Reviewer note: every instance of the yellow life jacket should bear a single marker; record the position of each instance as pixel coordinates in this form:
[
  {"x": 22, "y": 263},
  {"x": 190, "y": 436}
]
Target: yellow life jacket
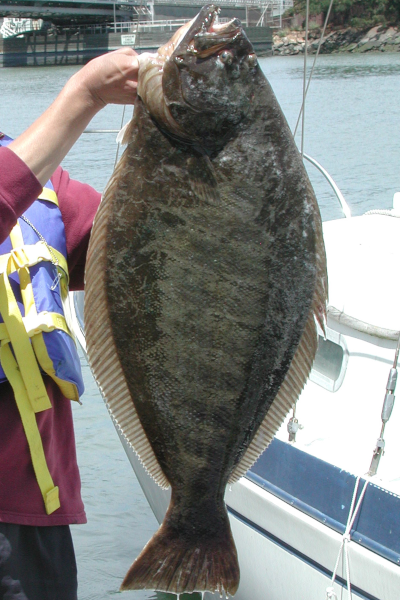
[{"x": 34, "y": 331}]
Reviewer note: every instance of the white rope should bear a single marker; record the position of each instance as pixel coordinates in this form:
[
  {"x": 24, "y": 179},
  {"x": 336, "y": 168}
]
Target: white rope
[{"x": 346, "y": 539}]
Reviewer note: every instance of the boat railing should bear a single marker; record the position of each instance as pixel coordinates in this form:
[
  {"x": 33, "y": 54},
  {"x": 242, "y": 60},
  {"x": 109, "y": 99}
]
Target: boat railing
[
  {"x": 142, "y": 26},
  {"x": 330, "y": 180},
  {"x": 354, "y": 324}
]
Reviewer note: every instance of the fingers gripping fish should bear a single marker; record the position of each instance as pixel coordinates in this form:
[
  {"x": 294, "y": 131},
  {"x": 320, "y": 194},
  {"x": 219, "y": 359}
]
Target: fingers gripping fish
[{"x": 205, "y": 274}]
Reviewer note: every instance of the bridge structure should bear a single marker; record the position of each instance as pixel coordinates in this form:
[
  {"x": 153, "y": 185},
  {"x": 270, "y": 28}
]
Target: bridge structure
[
  {"x": 64, "y": 13},
  {"x": 45, "y": 32}
]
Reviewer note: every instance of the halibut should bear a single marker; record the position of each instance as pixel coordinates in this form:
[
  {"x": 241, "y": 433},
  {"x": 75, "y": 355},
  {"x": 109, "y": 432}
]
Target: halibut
[{"x": 205, "y": 277}]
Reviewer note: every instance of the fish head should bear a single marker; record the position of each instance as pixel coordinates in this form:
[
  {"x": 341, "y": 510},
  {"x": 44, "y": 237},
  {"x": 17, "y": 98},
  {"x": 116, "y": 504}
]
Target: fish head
[{"x": 208, "y": 80}]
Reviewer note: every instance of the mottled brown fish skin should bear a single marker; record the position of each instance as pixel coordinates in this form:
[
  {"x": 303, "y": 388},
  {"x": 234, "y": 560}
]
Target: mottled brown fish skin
[{"x": 210, "y": 276}]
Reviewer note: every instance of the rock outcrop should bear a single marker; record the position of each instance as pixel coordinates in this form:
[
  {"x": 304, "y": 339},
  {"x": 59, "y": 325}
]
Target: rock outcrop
[{"x": 377, "y": 39}]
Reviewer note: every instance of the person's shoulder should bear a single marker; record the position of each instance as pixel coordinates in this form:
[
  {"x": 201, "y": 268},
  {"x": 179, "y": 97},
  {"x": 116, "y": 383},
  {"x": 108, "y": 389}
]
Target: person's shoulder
[
  {"x": 78, "y": 202},
  {"x": 74, "y": 195}
]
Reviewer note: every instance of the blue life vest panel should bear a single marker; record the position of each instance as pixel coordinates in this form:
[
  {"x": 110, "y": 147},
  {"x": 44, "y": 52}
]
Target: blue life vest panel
[
  {"x": 35, "y": 333},
  {"x": 42, "y": 222}
]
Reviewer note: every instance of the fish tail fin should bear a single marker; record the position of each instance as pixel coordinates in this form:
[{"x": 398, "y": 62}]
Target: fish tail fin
[{"x": 171, "y": 562}]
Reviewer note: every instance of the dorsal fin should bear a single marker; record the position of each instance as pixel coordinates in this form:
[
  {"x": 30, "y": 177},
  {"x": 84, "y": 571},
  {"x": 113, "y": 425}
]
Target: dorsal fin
[
  {"x": 125, "y": 134},
  {"x": 102, "y": 353}
]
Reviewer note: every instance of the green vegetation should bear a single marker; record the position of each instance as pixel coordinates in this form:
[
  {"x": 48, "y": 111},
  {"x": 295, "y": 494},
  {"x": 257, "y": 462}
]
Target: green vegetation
[{"x": 354, "y": 13}]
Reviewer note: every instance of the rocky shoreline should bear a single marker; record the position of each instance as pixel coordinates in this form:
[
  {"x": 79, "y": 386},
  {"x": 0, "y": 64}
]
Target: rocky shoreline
[{"x": 377, "y": 39}]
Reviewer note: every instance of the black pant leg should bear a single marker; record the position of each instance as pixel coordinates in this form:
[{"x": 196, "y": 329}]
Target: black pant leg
[{"x": 41, "y": 559}]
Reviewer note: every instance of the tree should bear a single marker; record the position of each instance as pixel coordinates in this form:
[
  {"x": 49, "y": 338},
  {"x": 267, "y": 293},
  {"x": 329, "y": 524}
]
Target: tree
[{"x": 353, "y": 12}]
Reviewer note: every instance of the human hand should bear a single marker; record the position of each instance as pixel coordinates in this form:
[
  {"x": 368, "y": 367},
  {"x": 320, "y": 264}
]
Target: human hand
[{"x": 109, "y": 79}]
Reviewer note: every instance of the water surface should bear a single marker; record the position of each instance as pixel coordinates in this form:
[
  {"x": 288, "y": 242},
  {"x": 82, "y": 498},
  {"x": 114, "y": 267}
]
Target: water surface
[{"x": 352, "y": 126}]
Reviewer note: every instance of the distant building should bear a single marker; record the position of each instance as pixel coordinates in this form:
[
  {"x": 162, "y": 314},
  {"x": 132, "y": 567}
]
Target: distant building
[
  {"x": 20, "y": 15},
  {"x": 74, "y": 31},
  {"x": 15, "y": 26}
]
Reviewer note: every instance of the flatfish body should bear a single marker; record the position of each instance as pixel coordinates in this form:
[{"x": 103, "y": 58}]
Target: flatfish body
[{"x": 206, "y": 271}]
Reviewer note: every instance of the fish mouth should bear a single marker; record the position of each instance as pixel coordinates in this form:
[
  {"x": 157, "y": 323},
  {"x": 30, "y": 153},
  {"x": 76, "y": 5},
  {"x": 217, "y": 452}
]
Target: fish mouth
[
  {"x": 205, "y": 36},
  {"x": 183, "y": 56}
]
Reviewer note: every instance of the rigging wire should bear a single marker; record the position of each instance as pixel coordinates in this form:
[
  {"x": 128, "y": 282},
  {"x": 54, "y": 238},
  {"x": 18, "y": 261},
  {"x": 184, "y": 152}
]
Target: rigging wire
[
  {"x": 312, "y": 68},
  {"x": 346, "y": 539},
  {"x": 101, "y": 131},
  {"x": 111, "y": 131},
  {"x": 387, "y": 408},
  {"x": 304, "y": 76}
]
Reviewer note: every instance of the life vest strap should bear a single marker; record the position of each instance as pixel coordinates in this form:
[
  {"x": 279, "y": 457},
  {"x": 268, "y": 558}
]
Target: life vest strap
[
  {"x": 48, "y": 489},
  {"x": 27, "y": 256},
  {"x": 45, "y": 322},
  {"x": 22, "y": 347},
  {"x": 36, "y": 342},
  {"x": 49, "y": 195},
  {"x": 22, "y": 370}
]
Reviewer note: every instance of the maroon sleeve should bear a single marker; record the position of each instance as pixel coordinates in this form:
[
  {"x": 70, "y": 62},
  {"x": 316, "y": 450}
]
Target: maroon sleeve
[
  {"x": 18, "y": 189},
  {"x": 78, "y": 203}
]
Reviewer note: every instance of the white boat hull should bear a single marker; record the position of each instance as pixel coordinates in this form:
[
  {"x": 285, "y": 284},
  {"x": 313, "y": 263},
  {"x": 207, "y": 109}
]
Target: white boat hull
[{"x": 288, "y": 515}]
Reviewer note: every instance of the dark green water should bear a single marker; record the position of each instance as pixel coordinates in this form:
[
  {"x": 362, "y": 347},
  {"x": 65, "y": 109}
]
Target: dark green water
[{"x": 352, "y": 128}]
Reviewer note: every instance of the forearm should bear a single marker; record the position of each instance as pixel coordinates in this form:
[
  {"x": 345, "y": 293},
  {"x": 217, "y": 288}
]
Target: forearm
[
  {"x": 47, "y": 141},
  {"x": 107, "y": 79}
]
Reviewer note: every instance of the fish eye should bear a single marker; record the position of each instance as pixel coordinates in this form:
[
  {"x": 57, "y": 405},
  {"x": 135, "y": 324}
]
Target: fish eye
[
  {"x": 252, "y": 60},
  {"x": 226, "y": 57}
]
